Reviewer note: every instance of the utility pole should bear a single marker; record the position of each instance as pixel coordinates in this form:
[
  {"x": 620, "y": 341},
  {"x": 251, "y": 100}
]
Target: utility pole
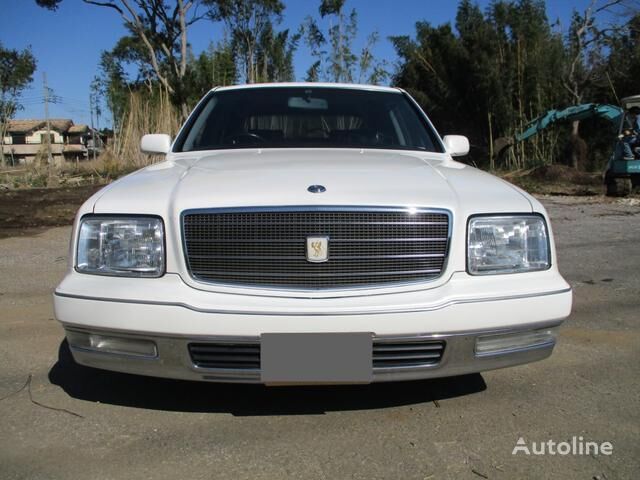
[
  {"x": 93, "y": 131},
  {"x": 46, "y": 117},
  {"x": 97, "y": 109}
]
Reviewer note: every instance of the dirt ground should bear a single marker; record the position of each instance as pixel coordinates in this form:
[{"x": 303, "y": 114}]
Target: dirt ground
[
  {"x": 62, "y": 421},
  {"x": 26, "y": 211}
]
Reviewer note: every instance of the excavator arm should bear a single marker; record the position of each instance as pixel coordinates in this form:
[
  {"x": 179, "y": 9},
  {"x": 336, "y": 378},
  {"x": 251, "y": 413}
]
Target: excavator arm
[{"x": 577, "y": 112}]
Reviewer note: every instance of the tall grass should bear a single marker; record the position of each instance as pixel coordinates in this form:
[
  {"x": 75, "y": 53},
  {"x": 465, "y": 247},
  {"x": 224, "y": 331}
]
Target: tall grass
[{"x": 145, "y": 114}]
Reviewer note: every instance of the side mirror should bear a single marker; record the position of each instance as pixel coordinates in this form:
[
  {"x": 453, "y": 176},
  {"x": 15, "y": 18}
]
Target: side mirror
[
  {"x": 155, "y": 143},
  {"x": 456, "y": 145}
]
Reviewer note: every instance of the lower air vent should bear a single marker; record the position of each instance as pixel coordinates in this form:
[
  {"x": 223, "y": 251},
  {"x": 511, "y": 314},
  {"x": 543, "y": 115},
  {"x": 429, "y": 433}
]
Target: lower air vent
[
  {"x": 386, "y": 354},
  {"x": 236, "y": 356},
  {"x": 397, "y": 353}
]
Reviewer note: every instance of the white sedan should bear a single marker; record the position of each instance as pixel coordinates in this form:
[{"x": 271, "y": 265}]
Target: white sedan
[{"x": 310, "y": 233}]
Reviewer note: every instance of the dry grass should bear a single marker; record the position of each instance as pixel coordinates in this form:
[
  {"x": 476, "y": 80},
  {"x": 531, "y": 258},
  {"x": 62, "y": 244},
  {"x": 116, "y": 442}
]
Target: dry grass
[
  {"x": 556, "y": 180},
  {"x": 145, "y": 114}
]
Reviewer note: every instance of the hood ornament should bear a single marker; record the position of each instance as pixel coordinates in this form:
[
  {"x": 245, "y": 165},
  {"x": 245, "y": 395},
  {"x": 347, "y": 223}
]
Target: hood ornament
[{"x": 316, "y": 189}]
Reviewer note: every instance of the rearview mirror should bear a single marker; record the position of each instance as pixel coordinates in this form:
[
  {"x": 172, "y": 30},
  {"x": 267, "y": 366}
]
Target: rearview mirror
[
  {"x": 456, "y": 145},
  {"x": 155, "y": 143}
]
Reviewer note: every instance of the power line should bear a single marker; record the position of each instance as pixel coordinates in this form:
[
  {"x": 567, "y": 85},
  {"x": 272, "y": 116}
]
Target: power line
[{"x": 47, "y": 91}]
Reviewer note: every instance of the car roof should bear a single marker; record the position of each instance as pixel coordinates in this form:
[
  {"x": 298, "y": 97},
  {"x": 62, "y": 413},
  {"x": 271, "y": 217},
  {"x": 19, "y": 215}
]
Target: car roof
[
  {"x": 352, "y": 86},
  {"x": 628, "y": 102}
]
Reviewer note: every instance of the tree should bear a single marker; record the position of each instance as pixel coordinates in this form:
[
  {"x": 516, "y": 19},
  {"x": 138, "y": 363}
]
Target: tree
[
  {"x": 213, "y": 67},
  {"x": 248, "y": 21},
  {"x": 274, "y": 56},
  {"x": 16, "y": 73},
  {"x": 340, "y": 63},
  {"x": 162, "y": 28},
  {"x": 115, "y": 86},
  {"x": 586, "y": 41},
  {"x": 488, "y": 79},
  {"x": 622, "y": 67},
  {"x": 341, "y": 58}
]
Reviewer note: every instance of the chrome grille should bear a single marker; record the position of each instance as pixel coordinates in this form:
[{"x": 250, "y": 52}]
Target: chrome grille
[
  {"x": 236, "y": 356},
  {"x": 396, "y": 354},
  {"x": 262, "y": 247}
]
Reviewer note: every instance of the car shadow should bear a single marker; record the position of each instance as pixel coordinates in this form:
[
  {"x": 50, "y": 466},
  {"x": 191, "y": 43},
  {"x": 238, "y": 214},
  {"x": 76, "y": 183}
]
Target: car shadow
[{"x": 123, "y": 389}]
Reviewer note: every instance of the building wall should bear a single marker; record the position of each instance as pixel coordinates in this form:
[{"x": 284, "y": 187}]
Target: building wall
[
  {"x": 25, "y": 154},
  {"x": 36, "y": 138}
]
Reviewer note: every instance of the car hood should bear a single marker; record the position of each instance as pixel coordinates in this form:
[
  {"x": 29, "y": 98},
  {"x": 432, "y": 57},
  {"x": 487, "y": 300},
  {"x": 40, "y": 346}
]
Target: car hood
[{"x": 281, "y": 177}]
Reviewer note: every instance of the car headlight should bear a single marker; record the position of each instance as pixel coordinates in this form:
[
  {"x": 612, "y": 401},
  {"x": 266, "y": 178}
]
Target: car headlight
[
  {"x": 507, "y": 244},
  {"x": 121, "y": 246}
]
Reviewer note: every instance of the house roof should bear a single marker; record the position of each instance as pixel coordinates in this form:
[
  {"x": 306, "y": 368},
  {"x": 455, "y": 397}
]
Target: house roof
[
  {"x": 26, "y": 126},
  {"x": 80, "y": 128}
]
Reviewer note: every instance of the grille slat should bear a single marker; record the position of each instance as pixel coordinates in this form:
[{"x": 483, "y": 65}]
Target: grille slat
[
  {"x": 414, "y": 356},
  {"x": 333, "y": 257},
  {"x": 221, "y": 357},
  {"x": 412, "y": 347},
  {"x": 257, "y": 247},
  {"x": 220, "y": 349},
  {"x": 222, "y": 273},
  {"x": 315, "y": 233},
  {"x": 407, "y": 354}
]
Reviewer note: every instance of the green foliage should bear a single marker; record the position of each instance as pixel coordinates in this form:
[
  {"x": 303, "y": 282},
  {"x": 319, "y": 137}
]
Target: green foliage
[
  {"x": 275, "y": 55},
  {"x": 340, "y": 63},
  {"x": 265, "y": 54},
  {"x": 503, "y": 67},
  {"x": 622, "y": 66},
  {"x": 115, "y": 86},
  {"x": 331, "y": 7},
  {"x": 214, "y": 67},
  {"x": 49, "y": 4},
  {"x": 498, "y": 71},
  {"x": 16, "y": 73}
]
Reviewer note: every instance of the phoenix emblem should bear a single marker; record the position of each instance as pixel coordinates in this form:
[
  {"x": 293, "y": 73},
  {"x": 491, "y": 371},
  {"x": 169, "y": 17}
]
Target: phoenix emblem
[{"x": 317, "y": 249}]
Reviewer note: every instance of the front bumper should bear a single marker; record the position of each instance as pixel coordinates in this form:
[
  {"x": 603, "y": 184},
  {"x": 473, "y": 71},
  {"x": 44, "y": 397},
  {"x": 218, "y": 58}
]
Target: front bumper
[
  {"x": 455, "y": 313},
  {"x": 174, "y": 361}
]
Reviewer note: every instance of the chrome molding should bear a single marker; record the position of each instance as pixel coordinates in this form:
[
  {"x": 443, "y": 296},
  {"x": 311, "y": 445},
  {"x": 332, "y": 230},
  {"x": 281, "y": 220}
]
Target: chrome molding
[
  {"x": 317, "y": 313},
  {"x": 252, "y": 339}
]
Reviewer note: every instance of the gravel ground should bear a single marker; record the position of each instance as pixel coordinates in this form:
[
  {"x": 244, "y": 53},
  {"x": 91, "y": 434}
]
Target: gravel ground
[{"x": 71, "y": 422}]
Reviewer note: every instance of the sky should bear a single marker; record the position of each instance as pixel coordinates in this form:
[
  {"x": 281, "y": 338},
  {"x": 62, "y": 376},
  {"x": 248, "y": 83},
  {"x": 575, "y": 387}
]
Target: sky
[{"x": 67, "y": 43}]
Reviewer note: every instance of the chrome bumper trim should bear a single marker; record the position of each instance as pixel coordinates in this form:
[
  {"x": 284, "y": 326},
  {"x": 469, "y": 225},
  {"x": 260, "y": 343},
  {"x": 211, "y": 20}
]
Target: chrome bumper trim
[
  {"x": 316, "y": 313},
  {"x": 174, "y": 361}
]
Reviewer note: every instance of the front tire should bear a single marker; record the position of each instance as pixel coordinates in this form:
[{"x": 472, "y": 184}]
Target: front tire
[{"x": 618, "y": 187}]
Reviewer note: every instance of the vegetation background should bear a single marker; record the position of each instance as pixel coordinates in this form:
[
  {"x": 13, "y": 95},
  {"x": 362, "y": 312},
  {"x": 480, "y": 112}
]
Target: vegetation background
[{"x": 486, "y": 76}]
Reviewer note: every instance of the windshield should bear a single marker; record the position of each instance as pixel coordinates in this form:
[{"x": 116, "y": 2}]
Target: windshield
[{"x": 301, "y": 117}]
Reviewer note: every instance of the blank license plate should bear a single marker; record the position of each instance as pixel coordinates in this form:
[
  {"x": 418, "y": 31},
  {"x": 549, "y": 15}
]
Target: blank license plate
[{"x": 287, "y": 358}]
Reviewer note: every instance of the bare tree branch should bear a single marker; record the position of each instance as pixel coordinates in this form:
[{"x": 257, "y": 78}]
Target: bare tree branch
[{"x": 105, "y": 4}]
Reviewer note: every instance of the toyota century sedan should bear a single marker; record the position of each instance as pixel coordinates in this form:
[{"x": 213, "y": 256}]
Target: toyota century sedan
[{"x": 310, "y": 233}]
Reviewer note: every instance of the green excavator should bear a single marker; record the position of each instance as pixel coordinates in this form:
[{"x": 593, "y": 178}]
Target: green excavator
[{"x": 622, "y": 172}]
